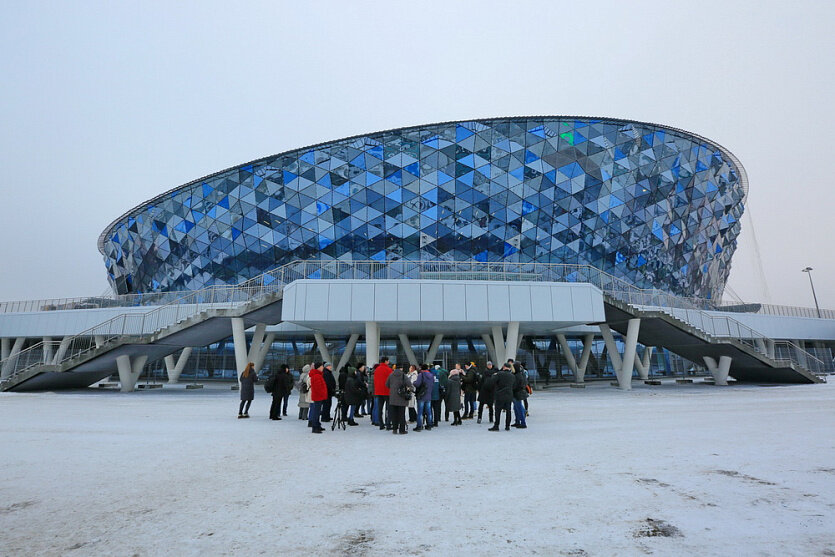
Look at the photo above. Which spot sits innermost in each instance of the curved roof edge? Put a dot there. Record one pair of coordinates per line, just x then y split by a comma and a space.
743, 175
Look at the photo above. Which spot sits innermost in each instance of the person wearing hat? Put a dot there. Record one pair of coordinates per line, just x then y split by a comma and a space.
304, 393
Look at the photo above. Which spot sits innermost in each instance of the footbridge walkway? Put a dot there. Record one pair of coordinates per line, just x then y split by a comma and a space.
180, 320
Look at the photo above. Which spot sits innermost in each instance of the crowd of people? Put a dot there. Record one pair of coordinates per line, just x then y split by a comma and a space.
386, 392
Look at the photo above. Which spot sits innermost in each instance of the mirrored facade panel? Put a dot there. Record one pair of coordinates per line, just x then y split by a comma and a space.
656, 206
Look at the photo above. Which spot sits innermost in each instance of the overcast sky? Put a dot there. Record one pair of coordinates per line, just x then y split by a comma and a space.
105, 105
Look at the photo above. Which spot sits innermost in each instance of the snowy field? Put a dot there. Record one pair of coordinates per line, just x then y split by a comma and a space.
670, 470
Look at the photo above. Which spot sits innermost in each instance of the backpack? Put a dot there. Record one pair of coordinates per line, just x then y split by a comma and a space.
404, 392
269, 386
421, 390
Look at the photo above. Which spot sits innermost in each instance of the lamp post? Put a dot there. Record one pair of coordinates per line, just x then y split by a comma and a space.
812, 284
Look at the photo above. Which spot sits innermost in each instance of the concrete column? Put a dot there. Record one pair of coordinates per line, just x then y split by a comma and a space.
407, 348
760, 344
769, 348
239, 342
629, 352
322, 347
648, 350
498, 343
719, 371
512, 344
5, 348
129, 371
569, 357
47, 350
372, 343
257, 341
62, 350
11, 360
611, 347
800, 352
643, 364
99, 339
261, 352
491, 349
436, 344
588, 341
173, 368
349, 350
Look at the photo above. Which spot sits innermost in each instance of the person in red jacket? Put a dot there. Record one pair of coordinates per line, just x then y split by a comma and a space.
318, 393
381, 394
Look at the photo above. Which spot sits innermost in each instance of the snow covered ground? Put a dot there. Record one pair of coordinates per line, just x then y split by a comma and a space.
670, 470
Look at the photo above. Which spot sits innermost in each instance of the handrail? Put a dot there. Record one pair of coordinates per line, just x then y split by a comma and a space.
191, 303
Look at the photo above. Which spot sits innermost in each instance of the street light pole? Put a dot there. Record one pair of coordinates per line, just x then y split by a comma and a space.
808, 270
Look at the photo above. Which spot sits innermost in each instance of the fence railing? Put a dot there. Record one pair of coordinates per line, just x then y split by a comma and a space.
183, 305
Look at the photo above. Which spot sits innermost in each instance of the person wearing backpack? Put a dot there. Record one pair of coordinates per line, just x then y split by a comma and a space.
400, 391
424, 384
304, 393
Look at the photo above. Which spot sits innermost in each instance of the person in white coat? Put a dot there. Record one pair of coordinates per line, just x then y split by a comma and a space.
304, 392
412, 377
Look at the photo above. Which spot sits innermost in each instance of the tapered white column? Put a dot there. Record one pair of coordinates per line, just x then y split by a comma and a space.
349, 350
239, 342
173, 368
498, 343
569, 356
513, 340
5, 347
99, 340
261, 352
588, 342
11, 360
433, 348
47, 350
129, 371
611, 348
491, 349
62, 350
407, 348
322, 347
719, 371
372, 343
630, 349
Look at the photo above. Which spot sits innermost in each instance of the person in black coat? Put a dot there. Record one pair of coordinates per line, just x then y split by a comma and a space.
486, 391
503, 396
469, 384
286, 382
330, 381
354, 393
277, 390
520, 394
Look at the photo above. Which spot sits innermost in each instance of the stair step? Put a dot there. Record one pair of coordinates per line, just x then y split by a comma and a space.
194, 386
683, 381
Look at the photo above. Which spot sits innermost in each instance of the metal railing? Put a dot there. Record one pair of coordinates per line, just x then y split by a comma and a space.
187, 304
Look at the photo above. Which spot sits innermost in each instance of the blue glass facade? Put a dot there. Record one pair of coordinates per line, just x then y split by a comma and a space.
654, 205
